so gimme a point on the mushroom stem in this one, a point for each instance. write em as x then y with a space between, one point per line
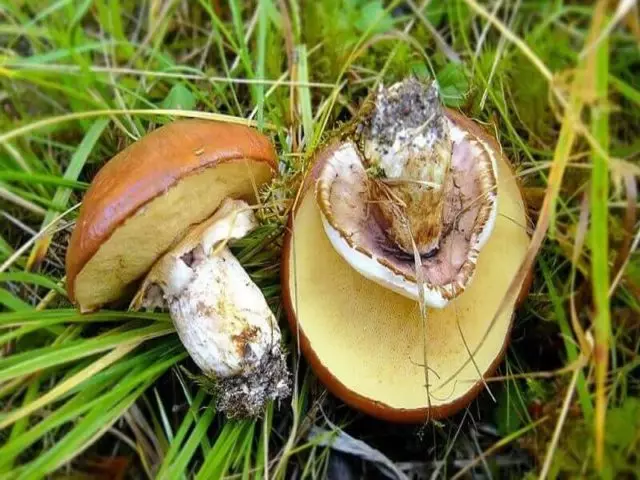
228 329
220 315
407 145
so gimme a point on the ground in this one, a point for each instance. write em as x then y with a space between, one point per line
113 393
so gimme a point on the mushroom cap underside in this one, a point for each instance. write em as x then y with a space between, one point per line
366 343
145 198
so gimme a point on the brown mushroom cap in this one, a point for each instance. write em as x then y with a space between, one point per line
365 342
145 198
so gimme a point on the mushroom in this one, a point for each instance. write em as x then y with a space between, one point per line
421 199
411 204
165 207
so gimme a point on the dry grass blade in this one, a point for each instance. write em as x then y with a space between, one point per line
634 247
581 234
622 10
74 69
497 446
21 202
561 155
421 282
401 180
509 35
293 123
147 443
499 53
561 419
18 253
447 50
338 439
69 384
564 147
578 364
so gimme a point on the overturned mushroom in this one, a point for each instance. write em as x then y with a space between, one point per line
420 201
408 194
166 206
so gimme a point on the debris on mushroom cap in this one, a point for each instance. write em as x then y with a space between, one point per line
407 141
467 197
221 316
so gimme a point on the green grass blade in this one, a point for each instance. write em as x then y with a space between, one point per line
62 195
21 425
261 43
304 94
181 461
599 236
76 164
87 431
12 302
192 416
41 179
243 51
217 462
33 279
32 361
72 315
625 89
102 410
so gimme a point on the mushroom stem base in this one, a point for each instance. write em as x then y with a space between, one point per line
245 395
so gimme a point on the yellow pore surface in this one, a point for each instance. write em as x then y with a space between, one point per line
134 246
371 339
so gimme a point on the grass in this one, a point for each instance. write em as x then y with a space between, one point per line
112 392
